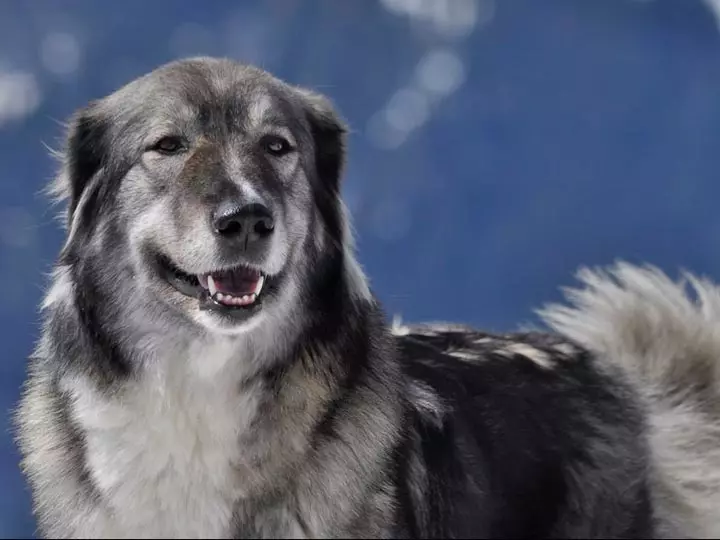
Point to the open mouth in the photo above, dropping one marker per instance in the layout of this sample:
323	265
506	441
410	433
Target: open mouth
240	287
237	287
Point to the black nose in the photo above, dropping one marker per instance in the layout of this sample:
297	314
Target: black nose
245	225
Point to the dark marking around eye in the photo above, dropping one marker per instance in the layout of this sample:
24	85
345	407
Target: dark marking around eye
276	145
169	145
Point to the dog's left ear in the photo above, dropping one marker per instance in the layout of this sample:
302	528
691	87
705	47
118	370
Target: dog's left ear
329	132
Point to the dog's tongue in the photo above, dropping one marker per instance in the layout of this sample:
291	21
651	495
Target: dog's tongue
238	282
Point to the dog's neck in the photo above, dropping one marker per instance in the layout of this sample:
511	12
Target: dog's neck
257	431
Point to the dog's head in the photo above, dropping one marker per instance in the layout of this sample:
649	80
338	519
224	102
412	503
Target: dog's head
218	183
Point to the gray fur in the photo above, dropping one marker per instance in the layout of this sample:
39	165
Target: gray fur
311	417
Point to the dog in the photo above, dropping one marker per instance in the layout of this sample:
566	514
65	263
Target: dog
213	362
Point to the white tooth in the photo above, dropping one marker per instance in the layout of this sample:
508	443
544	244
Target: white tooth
259	285
211	286
253	297
220	297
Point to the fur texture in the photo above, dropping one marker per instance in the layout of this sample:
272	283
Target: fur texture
153	408
666	335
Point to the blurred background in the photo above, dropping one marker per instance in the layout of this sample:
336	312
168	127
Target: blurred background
497	145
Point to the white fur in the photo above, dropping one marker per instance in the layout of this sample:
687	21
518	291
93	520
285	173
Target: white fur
397	327
464	354
537	356
669	344
258	111
164	451
428	401
60	289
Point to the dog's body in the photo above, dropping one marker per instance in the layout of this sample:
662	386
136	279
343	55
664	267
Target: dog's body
214	364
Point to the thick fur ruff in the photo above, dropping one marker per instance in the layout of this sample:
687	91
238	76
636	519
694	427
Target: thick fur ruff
666	335
153	408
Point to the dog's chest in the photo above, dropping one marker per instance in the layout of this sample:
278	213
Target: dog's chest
164	456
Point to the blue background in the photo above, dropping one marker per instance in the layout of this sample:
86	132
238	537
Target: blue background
496	146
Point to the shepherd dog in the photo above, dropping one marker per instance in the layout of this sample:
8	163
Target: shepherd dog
213	362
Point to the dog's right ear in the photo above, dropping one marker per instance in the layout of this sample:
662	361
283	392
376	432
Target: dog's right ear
82	157
329	134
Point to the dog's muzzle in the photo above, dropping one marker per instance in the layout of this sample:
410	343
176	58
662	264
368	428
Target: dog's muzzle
243	234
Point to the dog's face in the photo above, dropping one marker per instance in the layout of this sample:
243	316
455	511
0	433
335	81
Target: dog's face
220	183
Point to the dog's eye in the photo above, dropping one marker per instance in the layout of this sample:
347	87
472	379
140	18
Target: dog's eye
169	145
277	146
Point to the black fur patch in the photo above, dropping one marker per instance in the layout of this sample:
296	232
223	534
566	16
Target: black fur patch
513	435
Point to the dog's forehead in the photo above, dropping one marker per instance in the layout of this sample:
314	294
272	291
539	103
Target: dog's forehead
230	93
240	94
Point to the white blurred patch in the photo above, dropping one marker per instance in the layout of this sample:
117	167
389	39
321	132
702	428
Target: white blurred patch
407	109
20	95
60	53
451	19
440	72
714	6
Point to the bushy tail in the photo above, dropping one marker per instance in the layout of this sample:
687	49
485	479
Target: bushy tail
666	335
